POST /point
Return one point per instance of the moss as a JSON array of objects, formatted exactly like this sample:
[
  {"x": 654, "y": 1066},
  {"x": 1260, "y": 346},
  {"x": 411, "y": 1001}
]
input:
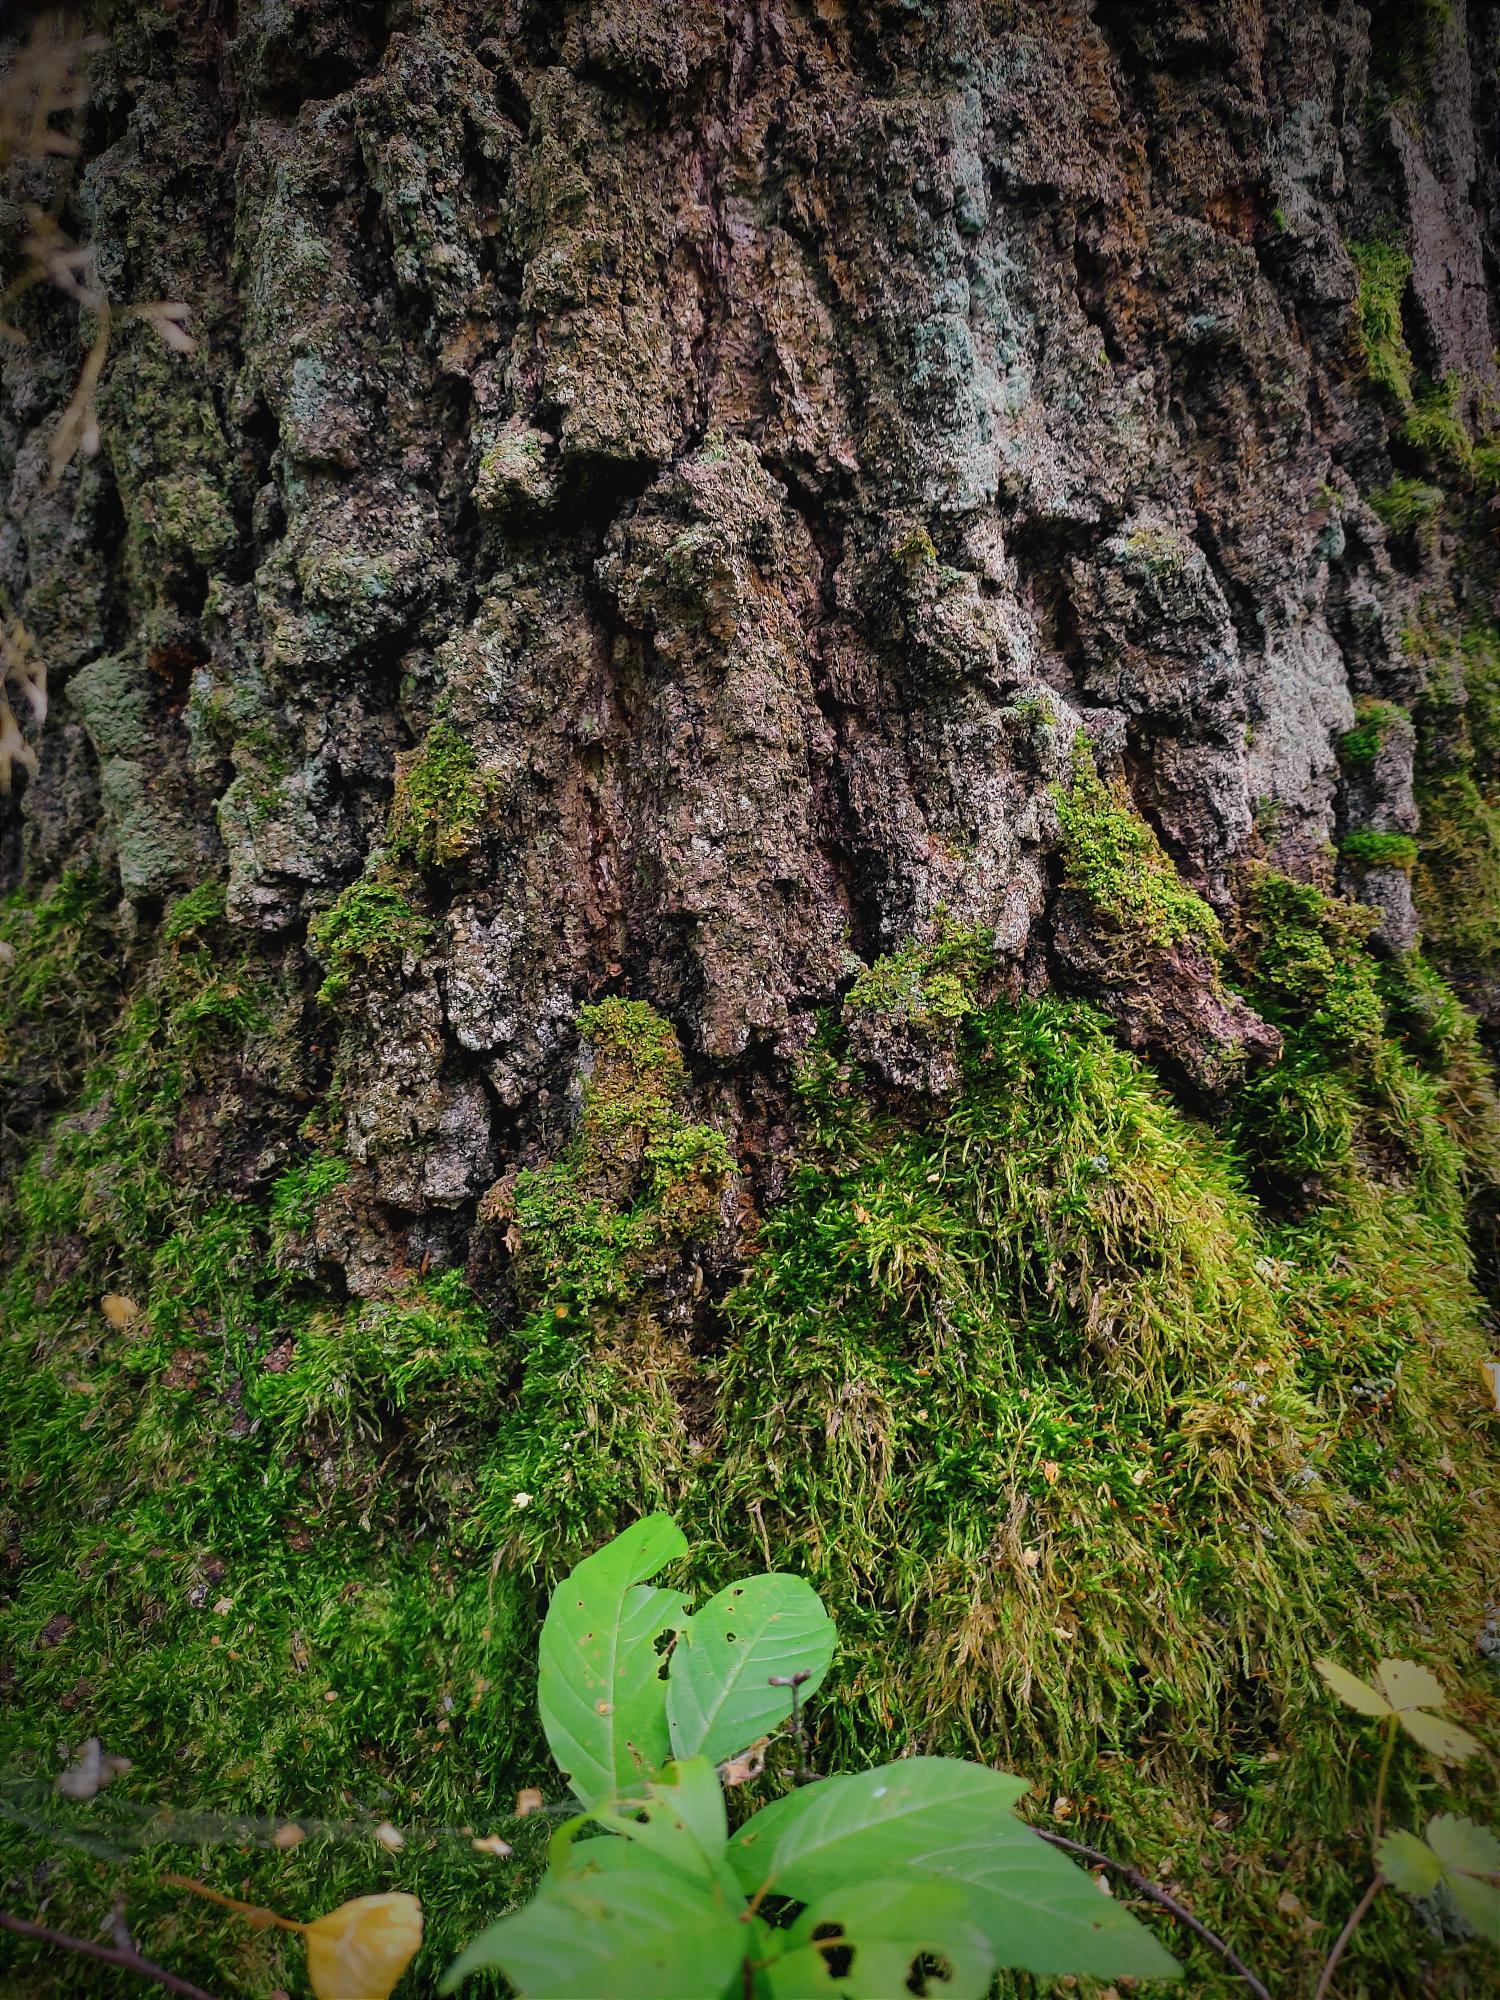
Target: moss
[
  {"x": 1375, "y": 721},
  {"x": 198, "y": 910},
  {"x": 1111, "y": 856},
  {"x": 366, "y": 932},
  {"x": 915, "y": 552},
  {"x": 1457, "y": 879},
  {"x": 1406, "y": 40},
  {"x": 438, "y": 810},
  {"x": 1406, "y": 503},
  {"x": 1435, "y": 425},
  {"x": 1366, "y": 849},
  {"x": 1384, "y": 271},
  {"x": 929, "y": 981},
  {"x": 300, "y": 1191}
]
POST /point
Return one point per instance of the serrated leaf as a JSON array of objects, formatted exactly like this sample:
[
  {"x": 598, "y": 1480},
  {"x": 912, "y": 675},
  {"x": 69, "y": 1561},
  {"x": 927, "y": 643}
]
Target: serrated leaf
[
  {"x": 1478, "y": 1903},
  {"x": 639, "y": 1933},
  {"x": 875, "y": 1933},
  {"x": 599, "y": 1683},
  {"x": 1351, "y": 1690},
  {"x": 952, "y": 1821},
  {"x": 1463, "y": 1846},
  {"x": 1409, "y": 1863},
  {"x": 1442, "y": 1738},
  {"x": 718, "y": 1693},
  {"x": 1406, "y": 1685}
]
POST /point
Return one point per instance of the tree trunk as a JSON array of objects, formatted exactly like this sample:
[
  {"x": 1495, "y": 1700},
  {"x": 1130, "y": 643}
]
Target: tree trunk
[{"x": 770, "y": 784}]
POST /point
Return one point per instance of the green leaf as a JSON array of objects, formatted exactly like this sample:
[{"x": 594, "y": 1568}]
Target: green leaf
[
  {"x": 640, "y": 1933},
  {"x": 600, "y": 1686},
  {"x": 1406, "y": 1685},
  {"x": 1351, "y": 1690},
  {"x": 1478, "y": 1904},
  {"x": 718, "y": 1699},
  {"x": 1409, "y": 1863},
  {"x": 1444, "y": 1739},
  {"x": 951, "y": 1820},
  {"x": 682, "y": 1821},
  {"x": 862, "y": 1941},
  {"x": 1463, "y": 1846}
]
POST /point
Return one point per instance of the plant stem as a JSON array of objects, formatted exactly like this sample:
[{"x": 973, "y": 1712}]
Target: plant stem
[
  {"x": 1139, "y": 1882},
  {"x": 1355, "y": 1917},
  {"x": 128, "y": 1959},
  {"x": 1385, "y": 1771}
]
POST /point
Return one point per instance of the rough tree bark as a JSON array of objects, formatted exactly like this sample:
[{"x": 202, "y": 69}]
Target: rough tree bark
[{"x": 680, "y": 501}]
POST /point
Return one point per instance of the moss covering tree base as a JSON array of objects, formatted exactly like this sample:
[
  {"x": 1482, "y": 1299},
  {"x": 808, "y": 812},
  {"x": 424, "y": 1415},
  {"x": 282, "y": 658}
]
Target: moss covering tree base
[{"x": 1092, "y": 1421}]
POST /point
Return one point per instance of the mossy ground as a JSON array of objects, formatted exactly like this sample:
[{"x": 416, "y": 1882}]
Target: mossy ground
[{"x": 1093, "y": 1423}]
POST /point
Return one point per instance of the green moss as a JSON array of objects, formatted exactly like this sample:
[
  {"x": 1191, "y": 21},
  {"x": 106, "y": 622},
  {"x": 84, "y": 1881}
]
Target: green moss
[
  {"x": 1384, "y": 271},
  {"x": 366, "y": 932},
  {"x": 1457, "y": 880},
  {"x": 1366, "y": 849},
  {"x": 1435, "y": 425},
  {"x": 200, "y": 909},
  {"x": 933, "y": 980},
  {"x": 1111, "y": 856},
  {"x": 1406, "y": 503},
  {"x": 1406, "y": 40},
  {"x": 1375, "y": 721},
  {"x": 438, "y": 810},
  {"x": 300, "y": 1191}
]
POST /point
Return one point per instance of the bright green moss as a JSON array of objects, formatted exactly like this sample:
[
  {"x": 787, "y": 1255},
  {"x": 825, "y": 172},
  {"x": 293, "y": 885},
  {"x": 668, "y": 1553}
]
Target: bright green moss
[
  {"x": 1406, "y": 503},
  {"x": 1374, "y": 723},
  {"x": 1435, "y": 424},
  {"x": 927, "y": 980},
  {"x": 298, "y": 1194},
  {"x": 367, "y": 931},
  {"x": 1457, "y": 880},
  {"x": 438, "y": 810},
  {"x": 1112, "y": 856},
  {"x": 198, "y": 910},
  {"x": 1384, "y": 271},
  {"x": 1366, "y": 849}
]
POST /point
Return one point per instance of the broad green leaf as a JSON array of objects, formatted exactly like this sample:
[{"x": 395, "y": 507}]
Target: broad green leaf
[
  {"x": 718, "y": 1696},
  {"x": 1351, "y": 1690},
  {"x": 863, "y": 1940},
  {"x": 1444, "y": 1739},
  {"x": 1406, "y": 1685},
  {"x": 951, "y": 1820},
  {"x": 600, "y": 1686},
  {"x": 641, "y": 1933},
  {"x": 1409, "y": 1863},
  {"x": 681, "y": 1819},
  {"x": 1463, "y": 1846},
  {"x": 1479, "y": 1904}
]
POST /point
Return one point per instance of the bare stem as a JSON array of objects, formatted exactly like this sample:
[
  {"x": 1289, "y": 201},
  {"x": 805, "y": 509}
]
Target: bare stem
[
  {"x": 125, "y": 1956},
  {"x": 1391, "y": 1727},
  {"x": 1356, "y": 1916},
  {"x": 1149, "y": 1889},
  {"x": 794, "y": 1682}
]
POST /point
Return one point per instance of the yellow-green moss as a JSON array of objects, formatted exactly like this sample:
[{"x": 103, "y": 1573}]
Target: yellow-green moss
[
  {"x": 1384, "y": 271},
  {"x": 367, "y": 931},
  {"x": 1367, "y": 849},
  {"x": 1113, "y": 857},
  {"x": 438, "y": 811},
  {"x": 1374, "y": 721}
]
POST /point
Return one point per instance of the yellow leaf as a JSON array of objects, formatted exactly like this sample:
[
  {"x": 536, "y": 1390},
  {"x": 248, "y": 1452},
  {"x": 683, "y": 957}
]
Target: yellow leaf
[
  {"x": 491, "y": 1844},
  {"x": 1351, "y": 1690},
  {"x": 390, "y": 1836},
  {"x": 1406, "y": 1685},
  {"x": 288, "y": 1836},
  {"x": 528, "y": 1800},
  {"x": 1490, "y": 1370},
  {"x": 119, "y": 1310},
  {"x": 360, "y": 1950},
  {"x": 1443, "y": 1739}
]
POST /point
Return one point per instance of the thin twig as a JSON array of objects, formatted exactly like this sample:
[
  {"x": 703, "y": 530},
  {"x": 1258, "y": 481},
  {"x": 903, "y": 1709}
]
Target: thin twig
[
  {"x": 794, "y": 1682},
  {"x": 1139, "y": 1883},
  {"x": 128, "y": 1961},
  {"x": 1325, "y": 1977}
]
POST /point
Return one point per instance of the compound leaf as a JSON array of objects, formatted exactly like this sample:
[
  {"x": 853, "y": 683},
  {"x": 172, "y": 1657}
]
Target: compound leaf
[
  {"x": 1406, "y": 1685},
  {"x": 1463, "y": 1846},
  {"x": 1409, "y": 1863},
  {"x": 1444, "y": 1739},
  {"x": 681, "y": 1820},
  {"x": 600, "y": 1686},
  {"x": 1478, "y": 1904},
  {"x": 870, "y": 1940},
  {"x": 718, "y": 1697},
  {"x": 1351, "y": 1690}
]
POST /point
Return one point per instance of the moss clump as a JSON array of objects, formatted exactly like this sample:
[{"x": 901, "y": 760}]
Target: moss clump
[
  {"x": 197, "y": 911},
  {"x": 1406, "y": 40},
  {"x": 367, "y": 931},
  {"x": 1111, "y": 856},
  {"x": 299, "y": 1193},
  {"x": 59, "y": 964},
  {"x": 438, "y": 810},
  {"x": 929, "y": 981},
  {"x": 1435, "y": 425},
  {"x": 1384, "y": 271},
  {"x": 1457, "y": 880},
  {"x": 1365, "y": 848},
  {"x": 1406, "y": 503},
  {"x": 1375, "y": 721}
]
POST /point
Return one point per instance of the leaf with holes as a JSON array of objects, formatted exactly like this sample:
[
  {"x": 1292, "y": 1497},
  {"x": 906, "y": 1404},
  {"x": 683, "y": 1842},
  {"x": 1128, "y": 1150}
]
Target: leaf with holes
[
  {"x": 718, "y": 1693},
  {"x": 869, "y": 1940},
  {"x": 633, "y": 1932},
  {"x": 600, "y": 1686},
  {"x": 951, "y": 1821}
]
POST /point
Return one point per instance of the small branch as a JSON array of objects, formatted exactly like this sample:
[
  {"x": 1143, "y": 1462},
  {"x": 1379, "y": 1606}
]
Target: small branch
[
  {"x": 1356, "y": 1915},
  {"x": 794, "y": 1682},
  {"x": 1185, "y": 1916},
  {"x": 127, "y": 1960},
  {"x": 1381, "y": 1781}
]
